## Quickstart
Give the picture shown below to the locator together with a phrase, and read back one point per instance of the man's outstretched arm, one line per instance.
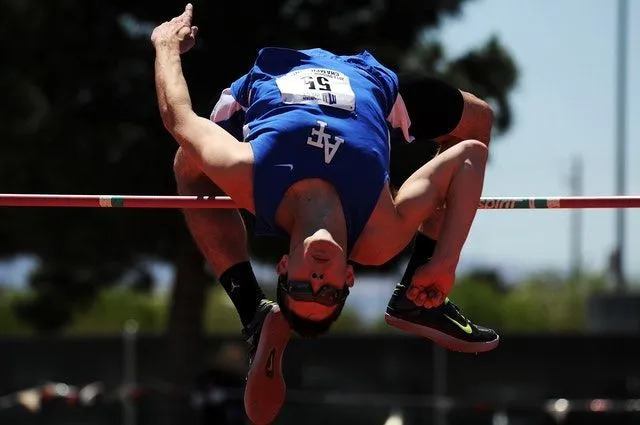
(192, 132)
(217, 153)
(170, 40)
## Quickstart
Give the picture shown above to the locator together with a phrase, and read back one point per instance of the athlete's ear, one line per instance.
(283, 265)
(351, 278)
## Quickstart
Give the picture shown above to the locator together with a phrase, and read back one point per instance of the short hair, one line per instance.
(306, 328)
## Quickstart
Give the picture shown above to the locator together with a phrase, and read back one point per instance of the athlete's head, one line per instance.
(313, 283)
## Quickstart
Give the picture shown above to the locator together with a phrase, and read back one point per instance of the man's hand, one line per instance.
(176, 33)
(431, 284)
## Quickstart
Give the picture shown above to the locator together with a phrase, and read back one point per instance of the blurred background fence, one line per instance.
(346, 379)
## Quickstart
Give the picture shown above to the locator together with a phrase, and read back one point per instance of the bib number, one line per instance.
(317, 86)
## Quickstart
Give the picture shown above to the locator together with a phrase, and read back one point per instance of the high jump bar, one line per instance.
(201, 202)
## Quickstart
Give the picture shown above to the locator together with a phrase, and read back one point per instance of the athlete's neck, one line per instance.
(309, 206)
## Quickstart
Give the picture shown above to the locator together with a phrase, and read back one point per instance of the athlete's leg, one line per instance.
(455, 178)
(221, 236)
(444, 179)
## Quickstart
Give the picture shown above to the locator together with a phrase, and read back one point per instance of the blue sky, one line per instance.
(564, 108)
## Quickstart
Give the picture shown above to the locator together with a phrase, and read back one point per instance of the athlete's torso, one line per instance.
(311, 114)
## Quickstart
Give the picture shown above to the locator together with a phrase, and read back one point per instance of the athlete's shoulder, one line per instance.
(384, 71)
(278, 59)
(384, 78)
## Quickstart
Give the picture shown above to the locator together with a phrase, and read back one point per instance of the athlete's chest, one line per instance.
(308, 196)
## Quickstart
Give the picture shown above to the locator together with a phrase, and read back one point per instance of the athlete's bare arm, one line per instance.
(218, 154)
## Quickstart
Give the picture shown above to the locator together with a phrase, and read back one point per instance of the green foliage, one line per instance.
(542, 302)
(113, 307)
(107, 313)
(10, 324)
(547, 303)
(220, 315)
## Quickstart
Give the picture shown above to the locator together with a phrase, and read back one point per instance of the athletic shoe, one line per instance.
(267, 336)
(445, 324)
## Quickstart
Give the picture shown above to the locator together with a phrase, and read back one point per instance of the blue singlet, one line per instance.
(313, 114)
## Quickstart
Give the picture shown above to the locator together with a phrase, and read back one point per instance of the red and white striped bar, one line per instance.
(114, 201)
(134, 201)
(571, 202)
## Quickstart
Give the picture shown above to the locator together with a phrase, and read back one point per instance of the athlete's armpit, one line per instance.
(229, 114)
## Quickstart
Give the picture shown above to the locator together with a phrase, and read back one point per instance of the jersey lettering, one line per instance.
(320, 139)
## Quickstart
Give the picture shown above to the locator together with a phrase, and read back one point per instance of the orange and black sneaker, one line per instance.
(267, 336)
(444, 325)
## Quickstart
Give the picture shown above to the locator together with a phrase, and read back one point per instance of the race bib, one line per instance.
(317, 86)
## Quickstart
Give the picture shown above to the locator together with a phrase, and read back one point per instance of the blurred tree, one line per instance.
(79, 116)
(537, 303)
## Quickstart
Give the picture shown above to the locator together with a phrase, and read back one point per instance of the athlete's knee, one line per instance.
(190, 179)
(473, 152)
(184, 169)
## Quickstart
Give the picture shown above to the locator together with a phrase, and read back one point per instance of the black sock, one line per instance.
(242, 287)
(421, 253)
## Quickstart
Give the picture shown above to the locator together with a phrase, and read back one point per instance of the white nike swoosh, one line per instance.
(285, 165)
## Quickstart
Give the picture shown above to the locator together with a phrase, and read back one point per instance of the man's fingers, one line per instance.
(187, 15)
(194, 32)
(427, 297)
(412, 293)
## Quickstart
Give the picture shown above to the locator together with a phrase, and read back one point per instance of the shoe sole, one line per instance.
(265, 391)
(441, 338)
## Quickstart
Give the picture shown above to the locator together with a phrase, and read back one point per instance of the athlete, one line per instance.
(315, 168)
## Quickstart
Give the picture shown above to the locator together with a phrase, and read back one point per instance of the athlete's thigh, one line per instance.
(188, 174)
(385, 235)
(427, 188)
(396, 218)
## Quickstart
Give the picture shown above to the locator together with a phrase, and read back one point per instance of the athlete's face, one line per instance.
(320, 261)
